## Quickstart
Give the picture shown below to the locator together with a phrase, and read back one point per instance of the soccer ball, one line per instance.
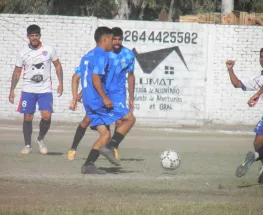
(170, 159)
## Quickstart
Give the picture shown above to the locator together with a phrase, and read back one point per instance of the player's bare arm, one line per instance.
(14, 81)
(79, 97)
(74, 90)
(254, 99)
(131, 85)
(98, 86)
(234, 80)
(59, 72)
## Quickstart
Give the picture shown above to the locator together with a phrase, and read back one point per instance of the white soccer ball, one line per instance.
(170, 159)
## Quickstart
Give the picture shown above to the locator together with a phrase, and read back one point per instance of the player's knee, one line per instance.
(46, 118)
(133, 119)
(28, 117)
(106, 135)
(85, 122)
(118, 123)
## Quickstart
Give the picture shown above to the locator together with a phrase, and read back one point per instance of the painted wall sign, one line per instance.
(170, 70)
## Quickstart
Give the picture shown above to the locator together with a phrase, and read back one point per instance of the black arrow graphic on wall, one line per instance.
(150, 60)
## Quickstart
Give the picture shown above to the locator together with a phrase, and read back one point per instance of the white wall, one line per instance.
(184, 103)
(170, 90)
(71, 36)
(225, 104)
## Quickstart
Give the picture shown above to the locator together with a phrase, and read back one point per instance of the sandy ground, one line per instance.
(205, 177)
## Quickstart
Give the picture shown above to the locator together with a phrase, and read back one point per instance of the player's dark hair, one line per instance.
(117, 32)
(33, 29)
(261, 50)
(100, 31)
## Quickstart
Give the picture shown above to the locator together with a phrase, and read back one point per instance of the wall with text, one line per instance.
(181, 78)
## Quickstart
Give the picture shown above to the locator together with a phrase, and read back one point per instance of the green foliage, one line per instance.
(145, 9)
(249, 5)
(98, 8)
(26, 6)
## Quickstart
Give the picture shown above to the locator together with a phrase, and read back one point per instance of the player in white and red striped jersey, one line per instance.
(34, 63)
(251, 84)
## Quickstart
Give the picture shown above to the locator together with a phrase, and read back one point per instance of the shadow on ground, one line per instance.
(55, 153)
(115, 170)
(250, 185)
(132, 159)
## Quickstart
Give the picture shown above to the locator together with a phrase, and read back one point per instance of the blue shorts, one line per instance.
(259, 127)
(106, 116)
(117, 98)
(27, 104)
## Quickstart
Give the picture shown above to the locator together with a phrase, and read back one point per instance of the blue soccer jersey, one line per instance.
(94, 62)
(119, 64)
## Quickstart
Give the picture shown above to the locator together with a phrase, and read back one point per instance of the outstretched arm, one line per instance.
(234, 80)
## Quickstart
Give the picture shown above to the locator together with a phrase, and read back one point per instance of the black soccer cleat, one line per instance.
(91, 169)
(243, 168)
(110, 155)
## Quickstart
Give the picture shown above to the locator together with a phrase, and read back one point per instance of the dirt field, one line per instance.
(204, 183)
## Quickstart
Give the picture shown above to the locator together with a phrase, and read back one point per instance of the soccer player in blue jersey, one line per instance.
(251, 84)
(93, 72)
(121, 62)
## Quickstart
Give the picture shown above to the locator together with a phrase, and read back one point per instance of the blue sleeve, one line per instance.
(77, 71)
(80, 70)
(99, 65)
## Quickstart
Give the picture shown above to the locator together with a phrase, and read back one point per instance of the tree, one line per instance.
(249, 5)
(27, 6)
(124, 9)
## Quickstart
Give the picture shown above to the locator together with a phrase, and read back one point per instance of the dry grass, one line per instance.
(204, 184)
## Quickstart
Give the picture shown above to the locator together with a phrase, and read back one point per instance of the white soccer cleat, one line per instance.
(26, 150)
(42, 147)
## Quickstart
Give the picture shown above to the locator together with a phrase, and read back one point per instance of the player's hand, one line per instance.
(107, 102)
(253, 100)
(131, 105)
(11, 97)
(230, 64)
(79, 97)
(60, 89)
(73, 105)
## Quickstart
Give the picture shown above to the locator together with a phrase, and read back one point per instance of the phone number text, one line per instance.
(161, 37)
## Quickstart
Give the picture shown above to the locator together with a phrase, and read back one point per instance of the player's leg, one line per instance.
(123, 126)
(258, 145)
(89, 167)
(45, 103)
(27, 131)
(104, 116)
(125, 121)
(253, 156)
(260, 178)
(81, 129)
(27, 106)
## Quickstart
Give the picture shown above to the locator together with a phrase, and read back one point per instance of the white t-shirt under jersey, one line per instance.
(34, 62)
(253, 84)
